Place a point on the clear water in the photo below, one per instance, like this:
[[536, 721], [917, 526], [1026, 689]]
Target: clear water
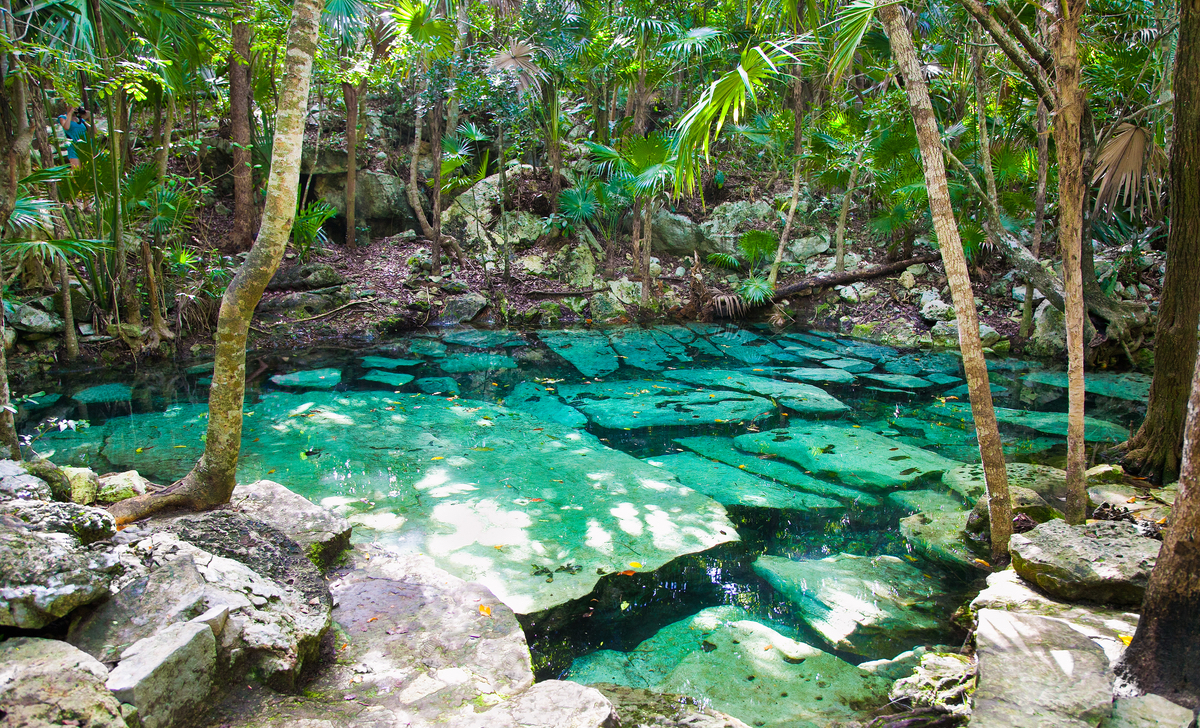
[[372, 468]]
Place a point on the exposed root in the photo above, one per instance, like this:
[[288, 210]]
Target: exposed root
[[188, 494]]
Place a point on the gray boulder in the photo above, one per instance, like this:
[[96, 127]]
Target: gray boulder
[[460, 309], [34, 320], [1149, 711], [120, 486], [16, 482], [185, 567], [50, 683], [43, 576], [84, 522], [326, 161], [305, 278], [85, 485], [554, 704], [1049, 337], [729, 220], [323, 536], [678, 235], [937, 310], [377, 196], [941, 680], [1038, 672], [168, 676], [1023, 501], [1107, 562]]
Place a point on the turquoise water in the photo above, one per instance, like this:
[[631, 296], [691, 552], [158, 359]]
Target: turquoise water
[[577, 473]]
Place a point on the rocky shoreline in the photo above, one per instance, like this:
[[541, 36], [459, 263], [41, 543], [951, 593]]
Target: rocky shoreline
[[263, 614]]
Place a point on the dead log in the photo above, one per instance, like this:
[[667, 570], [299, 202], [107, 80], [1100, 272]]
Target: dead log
[[804, 287]]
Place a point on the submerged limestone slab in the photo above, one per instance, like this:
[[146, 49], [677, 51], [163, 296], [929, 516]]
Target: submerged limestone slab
[[461, 363], [744, 668], [803, 398], [748, 347], [669, 344], [437, 385], [688, 337], [925, 362], [387, 362], [857, 366], [730, 486], [820, 375], [940, 536], [814, 340], [489, 492], [1036, 672], [392, 379], [103, 393], [427, 347], [638, 348], [856, 457], [1052, 423], [587, 351], [1121, 385], [807, 352], [312, 379], [484, 338], [904, 381], [636, 404], [722, 450], [875, 607], [543, 404], [968, 482]]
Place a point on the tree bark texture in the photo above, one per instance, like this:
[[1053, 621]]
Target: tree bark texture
[[1039, 210], [1156, 448], [955, 263], [839, 264], [1068, 147], [239, 112], [1164, 656], [350, 93], [978, 57], [212, 480], [797, 169]]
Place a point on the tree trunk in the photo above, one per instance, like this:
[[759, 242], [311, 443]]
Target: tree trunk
[[16, 147], [1039, 210], [350, 97], [500, 154], [1068, 147], [244, 210], [978, 57], [414, 194], [212, 480], [647, 244], [1164, 656], [797, 167], [435, 141], [1156, 448], [955, 263], [164, 152], [839, 265], [158, 326]]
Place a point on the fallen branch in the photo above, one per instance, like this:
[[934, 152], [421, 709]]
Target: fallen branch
[[843, 278], [555, 294], [313, 318]]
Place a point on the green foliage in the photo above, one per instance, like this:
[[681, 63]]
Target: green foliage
[[758, 246], [308, 232], [724, 260], [756, 290]]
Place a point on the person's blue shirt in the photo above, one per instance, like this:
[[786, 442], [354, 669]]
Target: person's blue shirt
[[76, 132]]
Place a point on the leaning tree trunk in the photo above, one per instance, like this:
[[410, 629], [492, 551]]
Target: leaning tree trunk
[[1164, 656], [839, 264], [1156, 447], [212, 480], [978, 56], [1068, 148], [239, 112], [15, 147], [955, 262]]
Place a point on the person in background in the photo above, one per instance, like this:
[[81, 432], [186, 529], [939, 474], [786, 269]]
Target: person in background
[[75, 129]]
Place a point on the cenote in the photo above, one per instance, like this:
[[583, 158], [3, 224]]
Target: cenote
[[629, 490]]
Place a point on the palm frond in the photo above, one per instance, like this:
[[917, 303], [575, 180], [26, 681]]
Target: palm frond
[[1129, 166], [28, 215], [851, 22], [518, 59]]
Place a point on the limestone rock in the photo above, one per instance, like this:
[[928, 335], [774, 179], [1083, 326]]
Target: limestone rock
[[1023, 501], [1049, 336], [867, 606], [616, 405], [1037, 672], [907, 280], [85, 485], [47, 683], [940, 536], [543, 404], [119, 486], [575, 265], [968, 482], [43, 576], [678, 235], [35, 320], [808, 247], [1109, 628], [805, 399], [16, 482], [731, 486], [278, 604], [742, 668], [639, 707], [54, 476], [1148, 711], [323, 535], [942, 680], [306, 278], [937, 310], [605, 308], [1107, 562], [729, 220], [462, 308], [84, 522], [168, 676], [553, 704]]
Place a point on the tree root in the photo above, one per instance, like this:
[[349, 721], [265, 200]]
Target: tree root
[[188, 494], [842, 278]]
